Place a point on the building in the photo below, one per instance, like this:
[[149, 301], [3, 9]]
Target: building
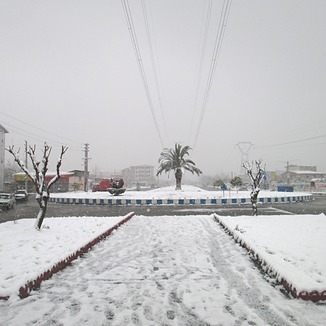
[[139, 176], [303, 178], [3, 132], [69, 181], [301, 173]]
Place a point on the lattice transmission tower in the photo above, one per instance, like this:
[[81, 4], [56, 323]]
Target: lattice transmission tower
[[244, 148]]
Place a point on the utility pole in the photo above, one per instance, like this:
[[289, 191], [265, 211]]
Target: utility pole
[[86, 150], [287, 173], [26, 176]]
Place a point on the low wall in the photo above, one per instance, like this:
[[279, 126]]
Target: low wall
[[286, 198]]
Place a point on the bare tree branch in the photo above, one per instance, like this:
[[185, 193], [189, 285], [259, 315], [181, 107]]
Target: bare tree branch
[[20, 163], [54, 179], [40, 169]]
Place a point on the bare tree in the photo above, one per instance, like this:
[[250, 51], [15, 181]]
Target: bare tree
[[40, 169], [256, 179]]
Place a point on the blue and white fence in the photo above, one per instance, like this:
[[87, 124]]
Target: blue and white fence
[[185, 201]]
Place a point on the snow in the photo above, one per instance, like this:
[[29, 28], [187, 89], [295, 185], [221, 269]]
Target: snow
[[292, 246], [189, 192], [163, 270], [34, 252]]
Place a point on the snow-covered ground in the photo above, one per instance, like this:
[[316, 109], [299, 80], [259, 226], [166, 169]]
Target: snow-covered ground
[[187, 192], [26, 253], [292, 246], [162, 270]]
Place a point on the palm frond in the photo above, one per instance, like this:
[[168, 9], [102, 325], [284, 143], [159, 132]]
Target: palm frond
[[174, 158]]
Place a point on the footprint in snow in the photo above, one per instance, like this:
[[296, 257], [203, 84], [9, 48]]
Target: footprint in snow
[[74, 307], [170, 314], [135, 319], [109, 314]]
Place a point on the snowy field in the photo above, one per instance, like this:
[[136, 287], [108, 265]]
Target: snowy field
[[162, 270]]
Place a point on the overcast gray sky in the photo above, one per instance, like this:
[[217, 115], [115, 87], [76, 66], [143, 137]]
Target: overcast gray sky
[[69, 75]]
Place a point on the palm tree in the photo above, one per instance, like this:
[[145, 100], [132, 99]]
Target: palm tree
[[174, 159]]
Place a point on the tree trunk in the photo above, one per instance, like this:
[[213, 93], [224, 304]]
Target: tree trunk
[[43, 203], [253, 198], [178, 178]]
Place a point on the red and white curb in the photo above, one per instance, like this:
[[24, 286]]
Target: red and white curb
[[314, 296], [26, 289]]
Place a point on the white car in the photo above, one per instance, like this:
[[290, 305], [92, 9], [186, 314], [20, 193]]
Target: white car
[[7, 201], [21, 195]]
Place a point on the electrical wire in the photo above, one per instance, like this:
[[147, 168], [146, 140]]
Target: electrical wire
[[23, 132], [28, 135], [37, 128], [154, 67], [139, 60], [307, 129], [201, 64], [217, 48], [292, 142]]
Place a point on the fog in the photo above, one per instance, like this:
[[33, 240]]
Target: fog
[[72, 74]]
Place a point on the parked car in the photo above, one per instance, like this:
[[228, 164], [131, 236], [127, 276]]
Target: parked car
[[21, 195], [7, 201]]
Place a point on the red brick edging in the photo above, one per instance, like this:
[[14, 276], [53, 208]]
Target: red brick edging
[[314, 296], [25, 290]]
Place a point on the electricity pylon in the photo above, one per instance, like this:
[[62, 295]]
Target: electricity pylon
[[244, 148]]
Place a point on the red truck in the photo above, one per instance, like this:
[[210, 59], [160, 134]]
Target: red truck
[[113, 185]]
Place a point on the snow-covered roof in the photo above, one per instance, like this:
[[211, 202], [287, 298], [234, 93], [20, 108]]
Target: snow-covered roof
[[308, 172], [3, 129], [48, 173]]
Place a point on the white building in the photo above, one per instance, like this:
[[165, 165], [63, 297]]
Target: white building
[[139, 175], [3, 132]]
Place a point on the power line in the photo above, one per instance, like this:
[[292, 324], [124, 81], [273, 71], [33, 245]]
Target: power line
[[135, 44], [306, 129], [23, 133], [199, 76], [154, 66], [37, 128], [218, 43], [293, 142], [30, 135], [36, 137]]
